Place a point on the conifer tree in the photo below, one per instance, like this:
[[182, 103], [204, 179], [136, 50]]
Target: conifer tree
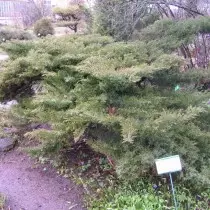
[[71, 16]]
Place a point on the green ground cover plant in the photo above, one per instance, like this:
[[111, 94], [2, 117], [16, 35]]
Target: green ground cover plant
[[142, 195]]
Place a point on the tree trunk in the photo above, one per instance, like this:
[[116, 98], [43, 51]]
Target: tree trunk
[[75, 28]]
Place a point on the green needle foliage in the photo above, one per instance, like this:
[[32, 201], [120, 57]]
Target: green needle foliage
[[170, 34], [91, 91]]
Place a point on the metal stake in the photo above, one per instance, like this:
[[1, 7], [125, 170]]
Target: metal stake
[[173, 192]]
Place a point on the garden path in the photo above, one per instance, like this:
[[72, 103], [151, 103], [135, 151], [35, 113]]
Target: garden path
[[31, 186]]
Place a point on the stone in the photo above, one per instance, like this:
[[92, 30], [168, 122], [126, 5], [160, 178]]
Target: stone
[[8, 105], [6, 144], [3, 57]]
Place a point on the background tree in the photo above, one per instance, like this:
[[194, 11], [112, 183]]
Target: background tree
[[70, 17], [120, 18], [34, 10]]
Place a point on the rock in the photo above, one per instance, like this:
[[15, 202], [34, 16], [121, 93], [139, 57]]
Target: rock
[[6, 144], [3, 57], [8, 105], [37, 88]]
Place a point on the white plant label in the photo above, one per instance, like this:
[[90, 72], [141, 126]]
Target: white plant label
[[168, 164]]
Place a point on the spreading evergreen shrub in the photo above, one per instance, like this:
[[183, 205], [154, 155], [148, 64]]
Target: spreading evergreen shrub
[[93, 90], [43, 27]]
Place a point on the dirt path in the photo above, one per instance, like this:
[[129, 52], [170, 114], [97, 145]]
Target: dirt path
[[35, 188]]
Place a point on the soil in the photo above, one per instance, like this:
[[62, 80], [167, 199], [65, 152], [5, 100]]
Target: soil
[[88, 163], [31, 186]]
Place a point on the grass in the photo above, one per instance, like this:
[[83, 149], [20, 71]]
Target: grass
[[2, 201]]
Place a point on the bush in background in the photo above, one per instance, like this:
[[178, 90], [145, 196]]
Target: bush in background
[[11, 33], [43, 27]]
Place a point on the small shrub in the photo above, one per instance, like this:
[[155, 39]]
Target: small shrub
[[43, 27], [9, 34]]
